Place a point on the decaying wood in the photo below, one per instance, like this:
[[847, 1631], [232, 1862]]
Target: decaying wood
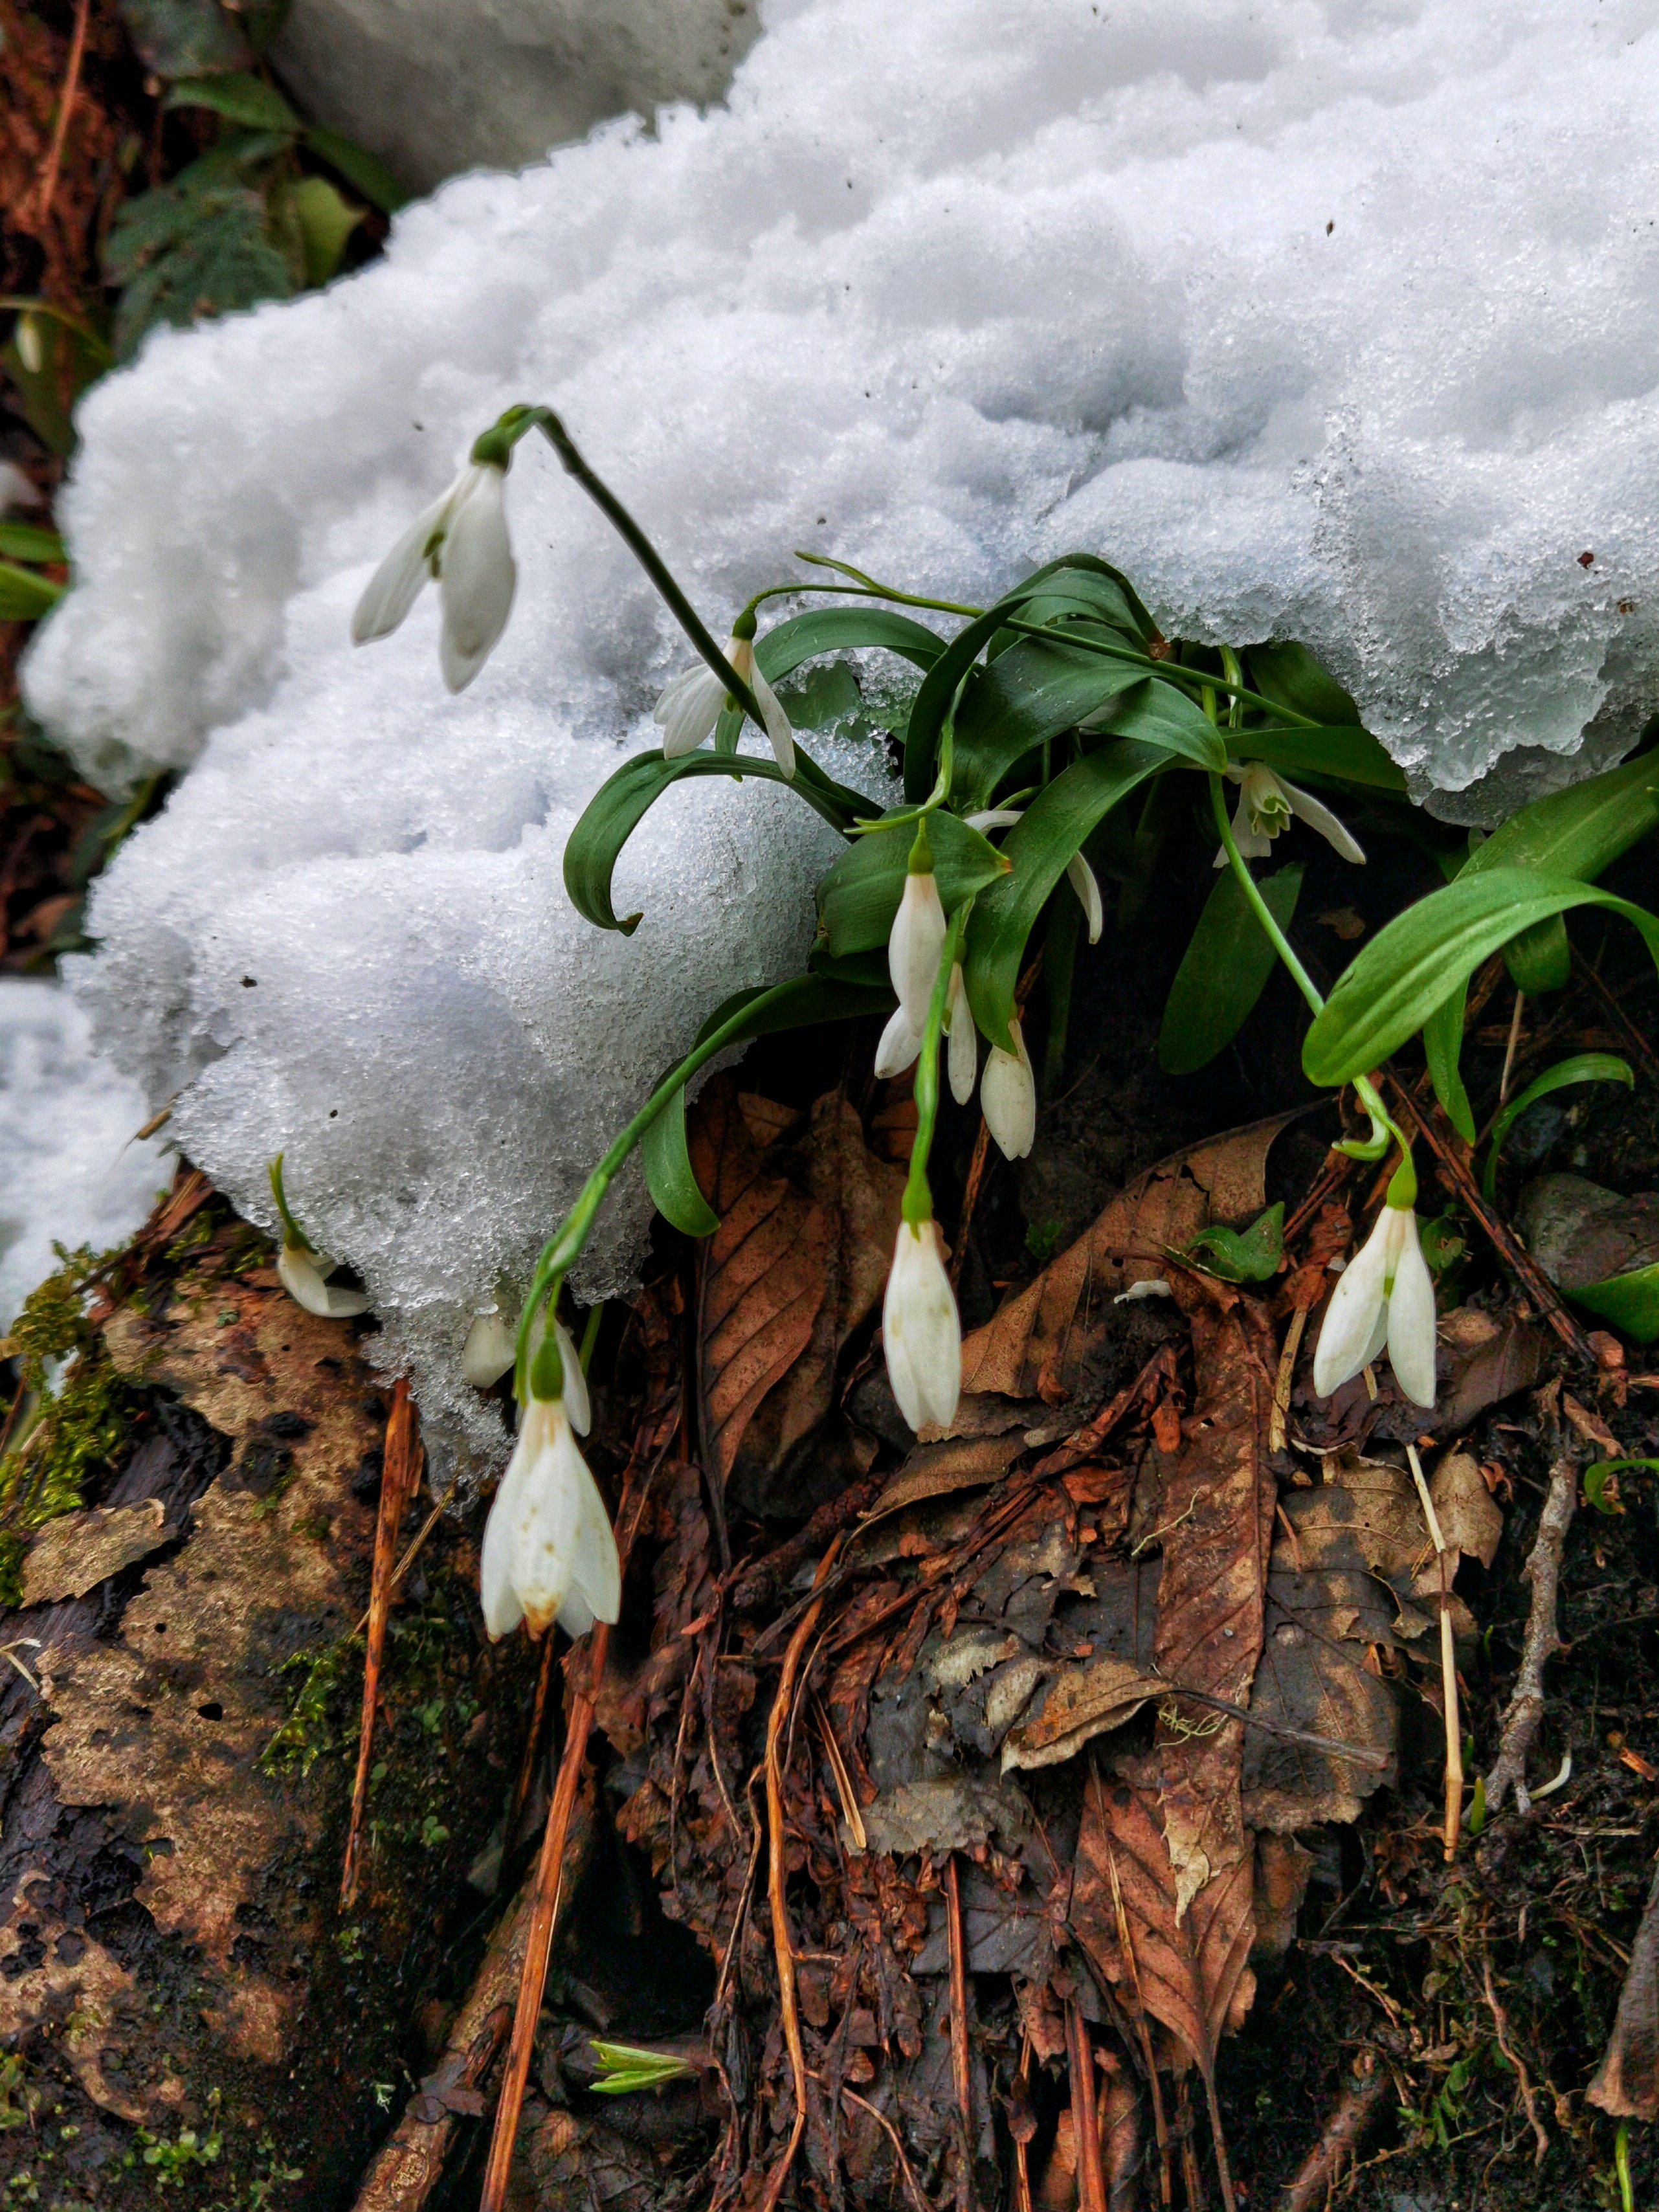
[[1525, 1712], [1310, 2190], [1626, 2082]]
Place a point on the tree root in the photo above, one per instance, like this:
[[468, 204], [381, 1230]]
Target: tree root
[[1339, 2139], [1525, 1713]]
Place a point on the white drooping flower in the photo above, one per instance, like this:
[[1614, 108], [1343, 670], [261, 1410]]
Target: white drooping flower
[[921, 1329], [304, 1275], [688, 710], [1007, 1096], [490, 1349], [964, 1057], [550, 1553], [914, 949], [461, 541], [1079, 873], [1385, 1296], [1265, 803]]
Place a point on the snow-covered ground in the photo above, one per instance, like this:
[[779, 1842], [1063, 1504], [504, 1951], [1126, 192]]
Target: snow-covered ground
[[1336, 321]]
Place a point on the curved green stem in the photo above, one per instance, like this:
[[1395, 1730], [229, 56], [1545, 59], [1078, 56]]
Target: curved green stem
[[878, 590], [917, 1205], [496, 445], [563, 1250]]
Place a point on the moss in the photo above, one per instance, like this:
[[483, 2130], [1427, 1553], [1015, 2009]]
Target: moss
[[315, 1723]]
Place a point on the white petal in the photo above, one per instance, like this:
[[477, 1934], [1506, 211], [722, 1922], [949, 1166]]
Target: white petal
[[1252, 844], [1350, 1319], [964, 1060], [915, 946], [1081, 878], [777, 722], [476, 576], [301, 1275], [921, 1330], [1308, 809], [562, 1539], [501, 1611], [391, 590], [675, 690], [900, 1045], [1007, 1098], [993, 818], [489, 1350], [1411, 1317], [693, 714], [577, 1402]]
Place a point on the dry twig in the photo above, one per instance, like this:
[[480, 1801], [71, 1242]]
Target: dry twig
[[400, 1472], [1453, 1817], [1309, 2188], [1525, 1712], [1086, 2120], [1500, 2021], [48, 190], [961, 2077]]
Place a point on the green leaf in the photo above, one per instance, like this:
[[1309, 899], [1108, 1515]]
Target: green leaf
[[25, 596], [624, 2069], [1251, 1257], [1225, 971], [674, 1189], [615, 811], [1442, 1246], [1290, 675], [71, 355], [322, 221], [1155, 712], [1419, 959], [1442, 1043], [241, 98], [1601, 1483], [1332, 749], [1478, 1806], [1583, 1067], [199, 246], [24, 541], [1029, 694], [360, 168], [1629, 1302], [186, 37], [826, 695], [1540, 958], [859, 895], [1056, 824]]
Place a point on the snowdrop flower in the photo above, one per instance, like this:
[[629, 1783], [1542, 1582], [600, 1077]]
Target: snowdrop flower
[[491, 1348], [1265, 803], [1079, 873], [964, 1059], [1007, 1096], [914, 949], [920, 1328], [549, 1551], [461, 541], [1385, 1296], [688, 710], [304, 1275]]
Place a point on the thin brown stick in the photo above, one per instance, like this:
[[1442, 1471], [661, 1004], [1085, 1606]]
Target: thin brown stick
[[783, 1943], [1192, 2179], [1515, 1257], [962, 2076], [1023, 2135], [1610, 1005], [1525, 1711], [48, 190], [1509, 1049], [1160, 2127], [1277, 1420], [543, 1921], [969, 1201], [400, 1472], [1454, 1812], [531, 1741], [1337, 1166], [1224, 2173], [1339, 2139], [1086, 2121], [852, 2097], [1500, 2021], [415, 1543]]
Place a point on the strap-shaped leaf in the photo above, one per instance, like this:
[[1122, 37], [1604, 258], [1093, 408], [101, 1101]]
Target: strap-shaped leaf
[[1420, 958], [1053, 827], [1583, 1067], [1577, 832], [1540, 958], [27, 541], [1161, 715], [1332, 749], [614, 812], [1292, 677], [859, 894], [1225, 971], [25, 595], [675, 1191], [1029, 694], [832, 629]]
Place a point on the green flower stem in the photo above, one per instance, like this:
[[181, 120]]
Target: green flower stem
[[860, 592], [563, 1250], [917, 1206], [293, 1236], [1383, 1124], [497, 443]]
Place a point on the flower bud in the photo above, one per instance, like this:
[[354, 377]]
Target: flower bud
[[921, 1329], [1385, 1296], [1007, 1096], [550, 1553]]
